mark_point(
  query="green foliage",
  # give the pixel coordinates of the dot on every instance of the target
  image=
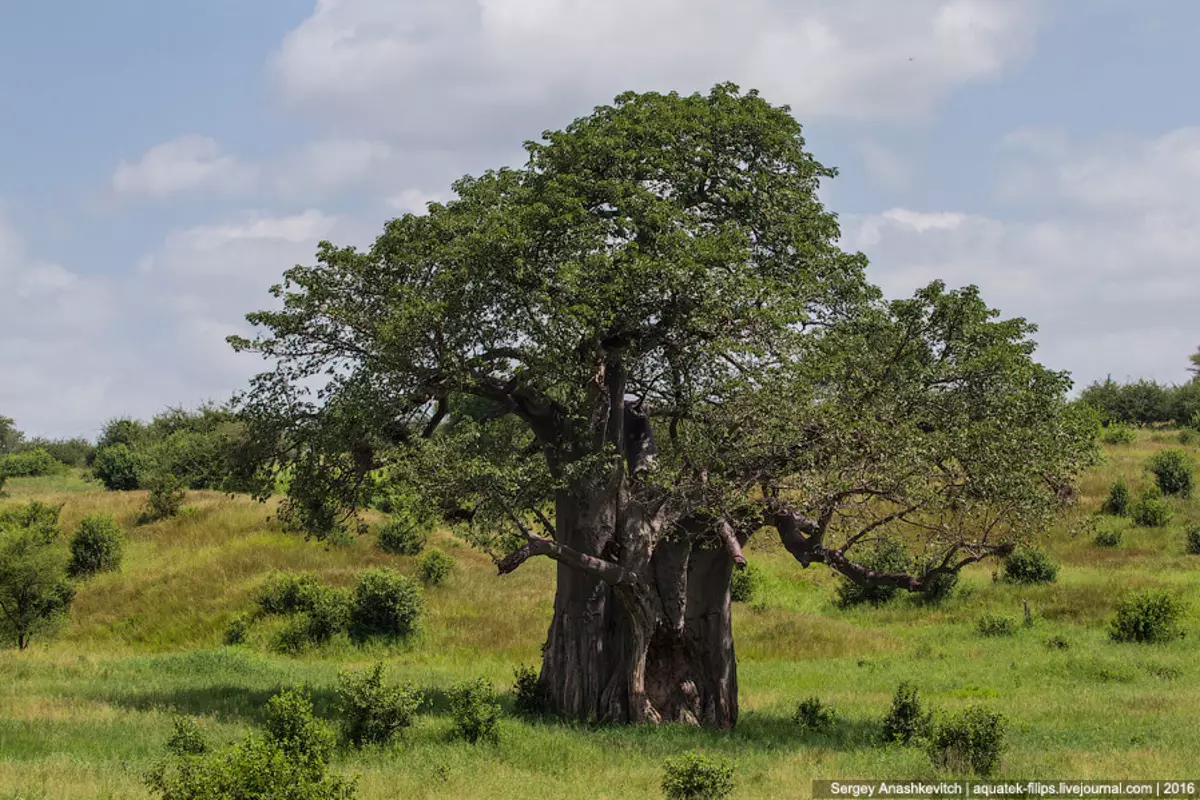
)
(318, 612)
(1192, 542)
(118, 468)
(1108, 537)
(400, 538)
(166, 496)
(434, 567)
(889, 555)
(290, 762)
(1117, 502)
(1029, 565)
(1173, 472)
(1143, 402)
(187, 738)
(286, 592)
(34, 590)
(385, 603)
(1188, 436)
(970, 740)
(744, 584)
(1118, 433)
(10, 437)
(695, 776)
(76, 452)
(939, 587)
(1151, 510)
(529, 696)
(812, 715)
(907, 721)
(1147, 617)
(96, 546)
(371, 711)
(993, 625)
(30, 464)
(475, 711)
(238, 629)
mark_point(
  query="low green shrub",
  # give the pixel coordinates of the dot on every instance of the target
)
(118, 468)
(33, 463)
(1147, 617)
(1029, 565)
(971, 740)
(238, 629)
(1109, 537)
(475, 711)
(186, 738)
(1117, 502)
(96, 546)
(286, 592)
(992, 625)
(1173, 472)
(385, 603)
(529, 696)
(1118, 433)
(165, 498)
(907, 721)
(1193, 540)
(812, 715)
(371, 711)
(401, 538)
(434, 567)
(744, 584)
(890, 555)
(694, 776)
(1151, 510)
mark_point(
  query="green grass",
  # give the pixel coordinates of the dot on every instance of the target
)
(84, 715)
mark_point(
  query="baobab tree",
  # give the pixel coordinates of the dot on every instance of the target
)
(631, 354)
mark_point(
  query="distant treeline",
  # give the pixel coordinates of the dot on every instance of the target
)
(1145, 402)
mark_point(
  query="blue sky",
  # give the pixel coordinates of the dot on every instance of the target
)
(162, 163)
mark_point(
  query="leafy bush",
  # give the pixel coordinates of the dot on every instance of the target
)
(371, 711)
(1109, 537)
(889, 555)
(327, 611)
(318, 611)
(1147, 617)
(385, 603)
(992, 625)
(186, 739)
(434, 567)
(693, 776)
(165, 498)
(1193, 540)
(1118, 433)
(35, 592)
(744, 584)
(96, 546)
(1172, 470)
(971, 740)
(475, 711)
(76, 452)
(1117, 502)
(30, 464)
(294, 637)
(286, 592)
(1029, 565)
(1151, 510)
(401, 538)
(812, 715)
(237, 629)
(939, 588)
(907, 721)
(118, 468)
(529, 697)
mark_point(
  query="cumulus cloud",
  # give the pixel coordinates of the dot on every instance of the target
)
(188, 163)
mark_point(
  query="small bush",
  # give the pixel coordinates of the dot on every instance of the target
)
(1117, 502)
(186, 739)
(1147, 617)
(1029, 565)
(812, 715)
(1188, 437)
(237, 629)
(693, 776)
(992, 625)
(294, 637)
(939, 588)
(434, 567)
(1193, 540)
(1151, 510)
(744, 584)
(475, 710)
(286, 592)
(907, 721)
(96, 546)
(889, 555)
(401, 538)
(971, 740)
(118, 468)
(1108, 538)
(1118, 433)
(385, 603)
(327, 610)
(529, 697)
(165, 498)
(30, 464)
(290, 723)
(1172, 470)
(371, 711)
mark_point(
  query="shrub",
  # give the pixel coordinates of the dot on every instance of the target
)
(96, 546)
(165, 498)
(1117, 502)
(992, 625)
(1172, 471)
(475, 710)
(401, 538)
(327, 611)
(290, 723)
(237, 629)
(1188, 437)
(1147, 617)
(529, 697)
(744, 584)
(30, 464)
(1029, 565)
(1110, 537)
(286, 592)
(371, 711)
(812, 715)
(693, 776)
(971, 740)
(118, 468)
(186, 739)
(1118, 433)
(1151, 510)
(1193, 540)
(76, 452)
(35, 592)
(385, 603)
(889, 555)
(907, 720)
(434, 567)
(939, 587)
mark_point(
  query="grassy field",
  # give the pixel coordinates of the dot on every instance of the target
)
(85, 715)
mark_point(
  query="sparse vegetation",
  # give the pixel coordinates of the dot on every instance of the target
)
(993, 625)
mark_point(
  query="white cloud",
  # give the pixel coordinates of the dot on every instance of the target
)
(188, 163)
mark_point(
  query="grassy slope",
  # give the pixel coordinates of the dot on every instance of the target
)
(86, 714)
